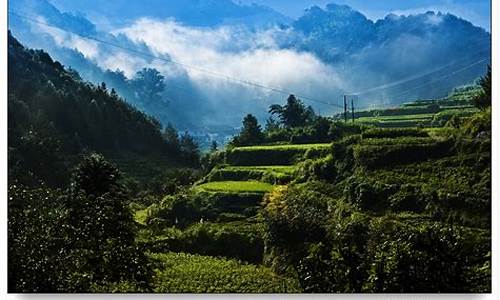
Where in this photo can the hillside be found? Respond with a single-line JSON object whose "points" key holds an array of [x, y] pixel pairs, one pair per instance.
{"points": [[400, 209], [54, 116]]}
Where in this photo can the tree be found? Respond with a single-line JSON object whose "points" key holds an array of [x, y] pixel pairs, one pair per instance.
{"points": [[272, 125], [36, 239], [171, 136], [214, 147], [483, 99], [190, 149], [294, 113], [149, 84], [251, 133], [101, 228]]}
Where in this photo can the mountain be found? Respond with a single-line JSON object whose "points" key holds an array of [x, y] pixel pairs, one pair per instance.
{"points": [[334, 32], [54, 115], [395, 48], [187, 12], [412, 57]]}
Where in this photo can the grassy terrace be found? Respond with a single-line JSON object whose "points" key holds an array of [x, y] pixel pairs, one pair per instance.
{"points": [[276, 169], [411, 120], [284, 147], [186, 273], [236, 186]]}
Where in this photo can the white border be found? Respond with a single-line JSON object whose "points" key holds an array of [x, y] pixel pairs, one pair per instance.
{"points": [[495, 193]]}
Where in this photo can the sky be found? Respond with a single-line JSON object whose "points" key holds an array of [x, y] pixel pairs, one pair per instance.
{"points": [[475, 11]]}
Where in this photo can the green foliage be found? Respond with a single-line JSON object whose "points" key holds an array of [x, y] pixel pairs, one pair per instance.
{"points": [[319, 169], [295, 215], [102, 228], [185, 273], [270, 155], [483, 99], [241, 240], [428, 257], [77, 239], [269, 174], [53, 115], [191, 206], [376, 156], [37, 219], [393, 133], [251, 133], [294, 113]]}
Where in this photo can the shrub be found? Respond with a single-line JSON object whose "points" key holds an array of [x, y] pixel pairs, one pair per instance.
{"points": [[36, 240], [190, 207], [424, 258], [320, 169], [270, 155], [383, 156], [240, 240], [295, 214]]}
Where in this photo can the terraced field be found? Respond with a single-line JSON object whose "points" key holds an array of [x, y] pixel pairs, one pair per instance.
{"points": [[420, 120], [187, 273], [203, 257], [237, 186]]}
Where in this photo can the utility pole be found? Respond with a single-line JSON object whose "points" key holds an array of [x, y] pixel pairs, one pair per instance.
{"points": [[345, 108], [352, 109]]}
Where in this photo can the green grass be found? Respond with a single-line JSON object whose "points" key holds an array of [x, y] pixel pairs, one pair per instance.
{"points": [[396, 118], [268, 155], [283, 147], [186, 273], [237, 186], [417, 119], [276, 169], [269, 174]]}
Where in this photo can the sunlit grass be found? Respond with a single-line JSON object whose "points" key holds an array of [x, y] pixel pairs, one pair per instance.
{"points": [[237, 186]]}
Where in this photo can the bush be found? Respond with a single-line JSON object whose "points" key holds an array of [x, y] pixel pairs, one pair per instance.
{"points": [[36, 262], [271, 155], [320, 169], [384, 156], [190, 207], [240, 240], [296, 214], [424, 258]]}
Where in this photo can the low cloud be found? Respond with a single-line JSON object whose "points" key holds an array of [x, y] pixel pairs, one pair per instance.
{"points": [[235, 53]]}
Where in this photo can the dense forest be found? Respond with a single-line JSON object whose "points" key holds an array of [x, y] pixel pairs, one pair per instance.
{"points": [[54, 116], [103, 198]]}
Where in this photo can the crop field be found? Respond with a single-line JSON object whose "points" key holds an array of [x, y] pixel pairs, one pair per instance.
{"points": [[268, 155], [187, 273], [412, 120], [284, 147], [237, 186], [276, 169]]}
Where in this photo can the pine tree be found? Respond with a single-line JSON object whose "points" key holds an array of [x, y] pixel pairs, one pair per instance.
{"points": [[251, 133]]}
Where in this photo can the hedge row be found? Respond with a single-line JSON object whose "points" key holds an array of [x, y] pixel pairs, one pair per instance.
{"points": [[267, 156], [240, 240], [393, 133], [376, 156]]}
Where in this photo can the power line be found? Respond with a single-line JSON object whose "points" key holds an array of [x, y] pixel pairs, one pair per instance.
{"points": [[402, 81], [442, 77], [184, 65], [256, 84]]}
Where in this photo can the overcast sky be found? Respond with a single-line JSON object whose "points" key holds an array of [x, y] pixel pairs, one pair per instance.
{"points": [[476, 11]]}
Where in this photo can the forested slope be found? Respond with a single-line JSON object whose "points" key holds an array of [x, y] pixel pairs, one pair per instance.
{"points": [[54, 114]]}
